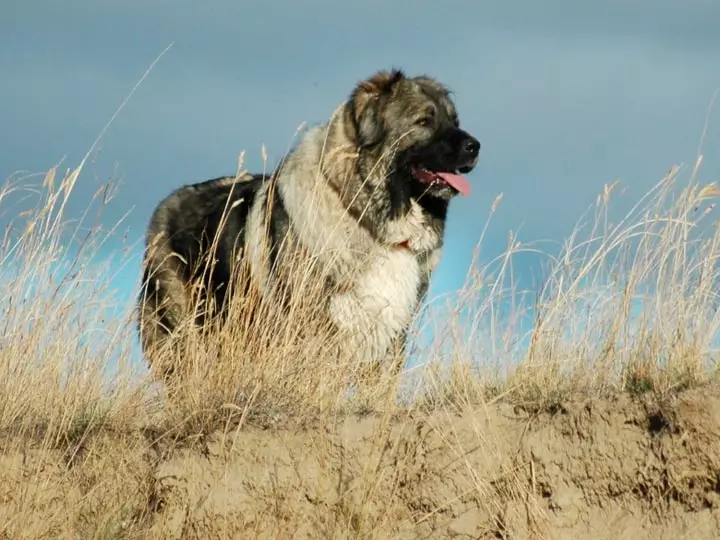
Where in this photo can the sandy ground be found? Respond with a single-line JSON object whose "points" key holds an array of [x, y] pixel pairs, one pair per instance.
{"points": [[622, 468]]}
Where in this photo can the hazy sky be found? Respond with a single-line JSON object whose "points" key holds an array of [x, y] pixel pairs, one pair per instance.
{"points": [[564, 98]]}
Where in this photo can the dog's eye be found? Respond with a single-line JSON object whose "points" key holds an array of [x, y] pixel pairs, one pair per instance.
{"points": [[423, 122]]}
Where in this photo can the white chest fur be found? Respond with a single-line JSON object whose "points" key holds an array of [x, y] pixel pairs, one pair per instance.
{"points": [[381, 304]]}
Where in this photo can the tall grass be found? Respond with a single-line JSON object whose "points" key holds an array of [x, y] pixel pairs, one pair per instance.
{"points": [[56, 344], [625, 305], [629, 304]]}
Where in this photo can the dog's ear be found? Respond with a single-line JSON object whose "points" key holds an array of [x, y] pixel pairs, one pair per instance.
{"points": [[366, 103]]}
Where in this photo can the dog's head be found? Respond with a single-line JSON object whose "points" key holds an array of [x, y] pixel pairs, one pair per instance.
{"points": [[412, 123]]}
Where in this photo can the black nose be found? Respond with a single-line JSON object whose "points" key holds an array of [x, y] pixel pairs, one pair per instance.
{"points": [[471, 146]]}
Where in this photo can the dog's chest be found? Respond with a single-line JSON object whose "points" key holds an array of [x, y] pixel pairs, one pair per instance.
{"points": [[385, 295], [382, 302], [389, 288]]}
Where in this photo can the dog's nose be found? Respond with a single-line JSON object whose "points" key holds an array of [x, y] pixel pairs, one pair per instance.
{"points": [[471, 146]]}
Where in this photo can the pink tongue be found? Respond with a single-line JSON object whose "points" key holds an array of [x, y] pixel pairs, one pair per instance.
{"points": [[457, 181]]}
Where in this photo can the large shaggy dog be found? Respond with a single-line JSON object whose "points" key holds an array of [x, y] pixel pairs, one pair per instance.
{"points": [[360, 203]]}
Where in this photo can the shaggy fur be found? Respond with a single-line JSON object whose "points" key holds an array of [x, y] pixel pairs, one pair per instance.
{"points": [[360, 202]]}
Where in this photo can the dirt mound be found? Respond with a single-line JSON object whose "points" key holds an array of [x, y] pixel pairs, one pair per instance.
{"points": [[613, 468]]}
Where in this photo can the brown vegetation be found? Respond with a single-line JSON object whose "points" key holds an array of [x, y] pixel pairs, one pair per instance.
{"points": [[601, 422]]}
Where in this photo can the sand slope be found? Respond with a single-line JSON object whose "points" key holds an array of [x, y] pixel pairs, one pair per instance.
{"points": [[621, 468]]}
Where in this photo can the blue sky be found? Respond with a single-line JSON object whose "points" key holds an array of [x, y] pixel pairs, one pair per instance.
{"points": [[564, 98]]}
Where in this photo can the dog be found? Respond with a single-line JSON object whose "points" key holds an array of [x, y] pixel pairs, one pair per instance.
{"points": [[360, 203]]}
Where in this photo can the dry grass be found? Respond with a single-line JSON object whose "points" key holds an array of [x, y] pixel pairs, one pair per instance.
{"points": [[88, 445], [624, 306]]}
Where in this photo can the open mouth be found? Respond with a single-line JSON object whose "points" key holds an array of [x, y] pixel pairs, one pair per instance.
{"points": [[437, 179]]}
